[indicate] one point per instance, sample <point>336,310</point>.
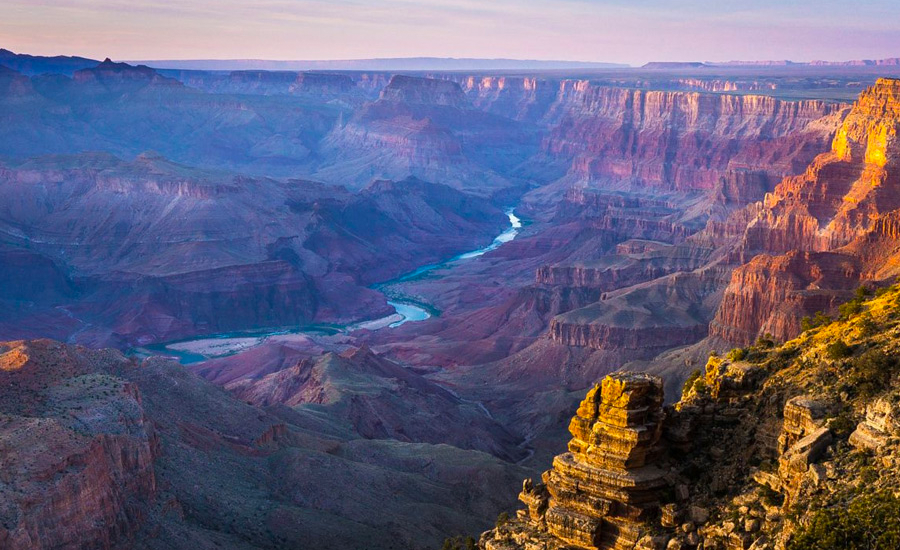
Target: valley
<point>405,311</point>
<point>367,304</point>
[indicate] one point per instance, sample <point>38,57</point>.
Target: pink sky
<point>588,30</point>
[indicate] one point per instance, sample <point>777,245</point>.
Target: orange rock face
<point>827,222</point>
<point>597,494</point>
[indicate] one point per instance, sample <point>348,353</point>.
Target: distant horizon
<point>421,63</point>
<point>589,31</point>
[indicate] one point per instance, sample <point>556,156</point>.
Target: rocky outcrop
<point>881,423</point>
<point>78,463</point>
<point>115,76</point>
<point>649,339</point>
<point>601,492</point>
<point>427,91</point>
<point>767,295</point>
<point>759,449</point>
<point>421,127</point>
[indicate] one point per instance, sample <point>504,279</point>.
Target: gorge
<point>354,309</point>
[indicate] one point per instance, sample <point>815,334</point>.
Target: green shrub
<point>770,497</point>
<point>842,424</point>
<point>818,320</point>
<point>689,383</point>
<point>867,325</point>
<point>848,309</point>
<point>871,372</point>
<point>700,386</point>
<point>765,341</point>
<point>838,350</point>
<point>871,522</point>
<point>737,354</point>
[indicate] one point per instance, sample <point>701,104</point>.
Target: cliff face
<point>680,140</point>
<point>846,198</point>
<point>79,461</point>
<point>674,168</point>
<point>765,449</point>
<point>420,127</point>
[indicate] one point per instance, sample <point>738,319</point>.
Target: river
<point>411,311</point>
<point>406,310</point>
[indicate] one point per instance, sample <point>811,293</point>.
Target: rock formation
<point>677,140</point>
<point>98,450</point>
<point>76,449</point>
<point>601,492</point>
<point>817,228</point>
<point>306,252</point>
<point>766,443</point>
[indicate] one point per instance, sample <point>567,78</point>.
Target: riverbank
<point>406,310</point>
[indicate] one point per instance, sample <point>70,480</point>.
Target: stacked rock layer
<point>598,494</point>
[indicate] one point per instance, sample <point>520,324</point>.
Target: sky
<point>622,31</point>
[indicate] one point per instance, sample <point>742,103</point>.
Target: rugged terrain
<point>666,212</point>
<point>99,450</point>
<point>771,447</point>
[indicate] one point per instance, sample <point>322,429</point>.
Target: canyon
<point>373,293</point>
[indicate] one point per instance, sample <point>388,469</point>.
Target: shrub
<point>700,387</point>
<point>871,372</point>
<point>818,320</point>
<point>842,424</point>
<point>770,497</point>
<point>853,307</point>
<point>838,350</point>
<point>871,522</point>
<point>765,341</point>
<point>502,520</point>
<point>458,543</point>
<point>867,325</point>
<point>737,354</point>
<point>689,383</point>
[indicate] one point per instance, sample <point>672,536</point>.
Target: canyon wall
<point>822,222</point>
<point>683,141</point>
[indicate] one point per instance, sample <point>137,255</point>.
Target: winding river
<point>409,310</point>
<point>406,310</point>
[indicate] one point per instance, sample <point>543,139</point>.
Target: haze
<point>613,31</point>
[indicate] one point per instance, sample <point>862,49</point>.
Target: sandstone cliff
<point>822,221</point>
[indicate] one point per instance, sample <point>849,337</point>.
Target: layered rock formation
<point>680,140</point>
<point>93,228</point>
<point>597,494</point>
<point>822,223</point>
<point>425,128</point>
<point>759,452</point>
<point>379,399</point>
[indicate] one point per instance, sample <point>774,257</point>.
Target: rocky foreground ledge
<point>773,447</point>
